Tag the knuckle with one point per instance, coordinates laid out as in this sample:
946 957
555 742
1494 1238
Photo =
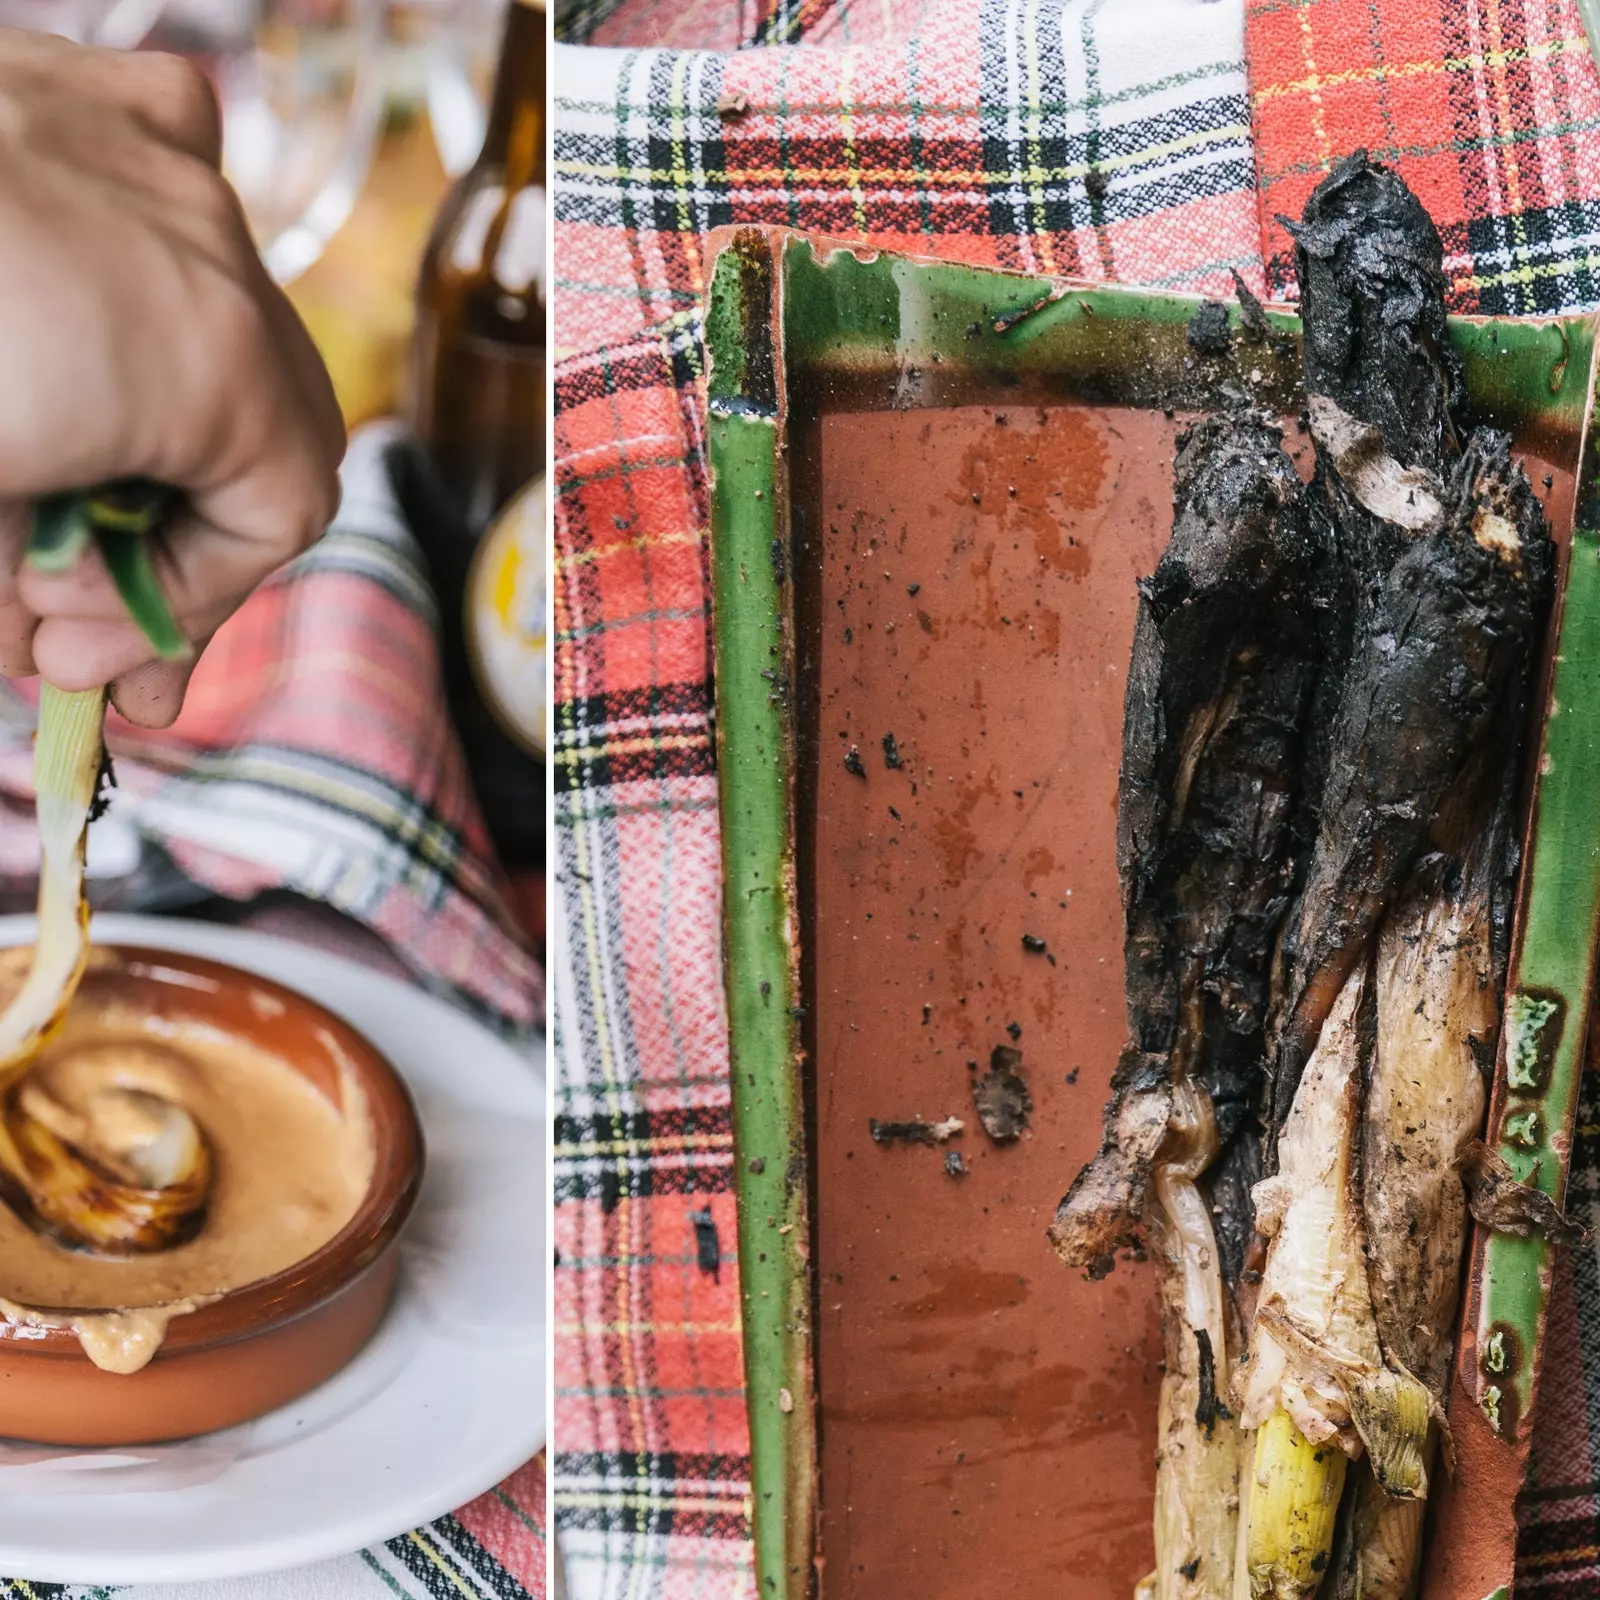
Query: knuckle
320 507
233 327
208 202
179 99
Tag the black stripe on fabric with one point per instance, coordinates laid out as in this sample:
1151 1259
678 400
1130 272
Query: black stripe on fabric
648 704
1063 205
594 748
1540 1545
686 139
576 20
586 1169
788 22
1555 242
408 1550
472 1556
431 842
645 1487
573 1132
677 358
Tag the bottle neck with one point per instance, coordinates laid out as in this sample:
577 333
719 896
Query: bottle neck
514 140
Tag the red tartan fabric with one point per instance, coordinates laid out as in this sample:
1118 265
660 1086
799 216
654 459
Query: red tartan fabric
508 1523
1490 110
966 133
733 24
649 1404
960 132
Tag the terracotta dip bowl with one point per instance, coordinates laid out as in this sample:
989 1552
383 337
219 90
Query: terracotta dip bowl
266 1343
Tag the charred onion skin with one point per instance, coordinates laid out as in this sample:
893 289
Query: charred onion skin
1317 852
1224 661
1221 674
1441 645
1413 576
1407 888
1369 263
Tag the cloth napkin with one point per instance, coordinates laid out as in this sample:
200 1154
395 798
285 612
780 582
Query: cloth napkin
314 788
963 129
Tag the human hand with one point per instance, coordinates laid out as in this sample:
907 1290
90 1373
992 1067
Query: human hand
143 338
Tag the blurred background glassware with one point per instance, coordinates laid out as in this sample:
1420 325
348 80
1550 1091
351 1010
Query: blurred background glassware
302 89
442 57
301 84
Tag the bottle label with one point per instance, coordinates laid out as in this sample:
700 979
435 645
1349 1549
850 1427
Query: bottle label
507 599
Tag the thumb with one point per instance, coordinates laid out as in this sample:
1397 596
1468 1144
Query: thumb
152 695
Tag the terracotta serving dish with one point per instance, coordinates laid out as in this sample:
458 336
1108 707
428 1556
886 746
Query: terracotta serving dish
266 1343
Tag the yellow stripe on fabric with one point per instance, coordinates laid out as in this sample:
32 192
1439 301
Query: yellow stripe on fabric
858 202
428 1548
628 1327
1528 273
655 541
612 1147
584 755
643 1500
956 178
1485 60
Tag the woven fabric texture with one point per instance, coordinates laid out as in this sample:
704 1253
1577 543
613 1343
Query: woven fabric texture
964 129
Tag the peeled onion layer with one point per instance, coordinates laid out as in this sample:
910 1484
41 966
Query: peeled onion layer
1315 1350
1197 1451
1426 1096
1380 1554
67 762
1437 1013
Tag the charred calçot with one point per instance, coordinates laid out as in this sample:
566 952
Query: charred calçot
1218 690
1316 839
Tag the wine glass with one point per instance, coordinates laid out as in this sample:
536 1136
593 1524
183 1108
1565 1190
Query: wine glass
300 84
443 57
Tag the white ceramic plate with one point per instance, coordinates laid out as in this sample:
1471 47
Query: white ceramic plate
447 1399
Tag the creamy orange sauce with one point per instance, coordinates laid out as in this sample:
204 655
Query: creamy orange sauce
290 1171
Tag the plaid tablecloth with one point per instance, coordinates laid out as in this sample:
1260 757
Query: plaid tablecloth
314 768
961 128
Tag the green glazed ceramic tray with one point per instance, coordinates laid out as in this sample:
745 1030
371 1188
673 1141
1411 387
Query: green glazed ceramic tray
800 331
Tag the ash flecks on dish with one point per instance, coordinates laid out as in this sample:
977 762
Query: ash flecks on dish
1208 328
915 1131
1002 1097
